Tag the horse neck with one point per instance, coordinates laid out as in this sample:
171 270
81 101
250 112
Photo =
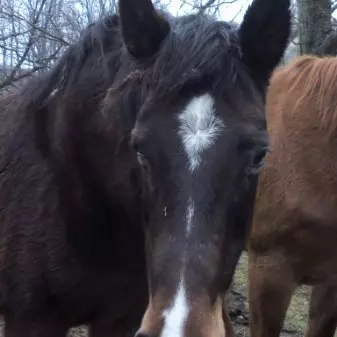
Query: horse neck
97 177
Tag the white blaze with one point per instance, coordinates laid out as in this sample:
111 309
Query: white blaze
199 128
176 316
189 216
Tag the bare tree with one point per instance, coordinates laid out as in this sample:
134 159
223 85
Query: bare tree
314 24
212 7
27 43
317 26
35 32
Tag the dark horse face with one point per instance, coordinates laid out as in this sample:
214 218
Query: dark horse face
200 138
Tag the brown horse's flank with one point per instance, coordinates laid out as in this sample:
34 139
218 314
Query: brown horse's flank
293 237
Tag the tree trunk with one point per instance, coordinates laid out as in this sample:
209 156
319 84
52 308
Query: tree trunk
314 24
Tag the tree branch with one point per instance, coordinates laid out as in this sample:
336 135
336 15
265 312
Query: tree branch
329 46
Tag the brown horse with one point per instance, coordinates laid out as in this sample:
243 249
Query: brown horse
128 173
294 232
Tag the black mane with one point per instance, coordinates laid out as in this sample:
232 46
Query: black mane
90 58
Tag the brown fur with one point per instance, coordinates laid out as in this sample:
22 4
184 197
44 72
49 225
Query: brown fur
293 237
314 79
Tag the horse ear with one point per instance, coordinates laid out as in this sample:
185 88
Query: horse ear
264 35
143 28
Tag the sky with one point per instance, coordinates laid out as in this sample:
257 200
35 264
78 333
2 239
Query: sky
231 11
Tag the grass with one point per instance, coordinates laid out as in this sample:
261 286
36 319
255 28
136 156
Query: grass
297 314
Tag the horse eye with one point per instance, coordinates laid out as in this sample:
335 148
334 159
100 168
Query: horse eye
258 161
141 158
259 158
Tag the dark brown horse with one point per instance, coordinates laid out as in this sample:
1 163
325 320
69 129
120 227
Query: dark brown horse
294 232
128 173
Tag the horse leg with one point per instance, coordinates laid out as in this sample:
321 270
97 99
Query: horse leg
271 286
16 328
227 319
322 312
